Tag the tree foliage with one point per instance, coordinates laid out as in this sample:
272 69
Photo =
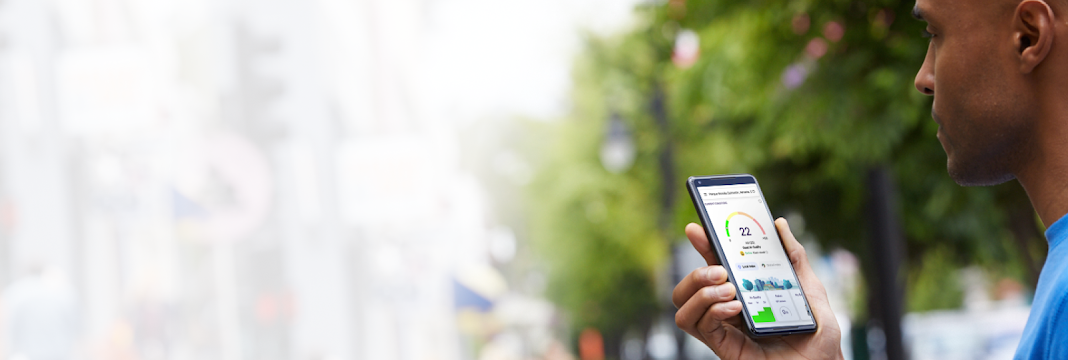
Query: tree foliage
808 120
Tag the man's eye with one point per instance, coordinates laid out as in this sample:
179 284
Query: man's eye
926 34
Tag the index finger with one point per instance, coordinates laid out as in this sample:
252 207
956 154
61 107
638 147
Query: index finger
697 279
699 239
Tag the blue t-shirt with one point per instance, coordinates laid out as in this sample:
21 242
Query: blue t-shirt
1046 333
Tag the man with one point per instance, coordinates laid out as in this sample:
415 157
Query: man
998 71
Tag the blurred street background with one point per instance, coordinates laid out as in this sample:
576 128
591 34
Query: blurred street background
471 179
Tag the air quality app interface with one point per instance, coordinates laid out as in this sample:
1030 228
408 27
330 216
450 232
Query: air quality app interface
769 288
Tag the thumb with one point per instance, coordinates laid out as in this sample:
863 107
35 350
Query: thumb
699 239
810 284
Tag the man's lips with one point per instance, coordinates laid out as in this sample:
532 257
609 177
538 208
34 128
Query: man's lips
940 134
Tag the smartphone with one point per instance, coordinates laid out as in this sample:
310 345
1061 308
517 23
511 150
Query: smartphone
743 235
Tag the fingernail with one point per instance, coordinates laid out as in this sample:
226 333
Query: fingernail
722 290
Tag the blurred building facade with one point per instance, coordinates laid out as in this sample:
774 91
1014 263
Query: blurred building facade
231 179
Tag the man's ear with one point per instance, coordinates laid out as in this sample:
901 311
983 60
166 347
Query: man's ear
1033 33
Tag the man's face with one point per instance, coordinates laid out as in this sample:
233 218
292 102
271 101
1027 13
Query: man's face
972 71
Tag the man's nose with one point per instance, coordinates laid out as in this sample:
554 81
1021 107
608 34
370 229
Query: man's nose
924 83
925 77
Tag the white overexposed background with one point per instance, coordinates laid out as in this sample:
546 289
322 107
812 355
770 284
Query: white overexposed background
271 179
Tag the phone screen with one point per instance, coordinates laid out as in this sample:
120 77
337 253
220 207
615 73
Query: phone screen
765 277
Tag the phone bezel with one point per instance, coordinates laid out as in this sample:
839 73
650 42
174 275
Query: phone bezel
715 180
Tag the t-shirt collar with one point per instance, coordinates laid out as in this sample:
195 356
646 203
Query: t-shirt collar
1057 232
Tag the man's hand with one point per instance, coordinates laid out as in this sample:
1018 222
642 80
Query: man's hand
708 311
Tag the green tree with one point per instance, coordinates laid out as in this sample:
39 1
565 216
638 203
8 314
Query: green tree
811 94
806 95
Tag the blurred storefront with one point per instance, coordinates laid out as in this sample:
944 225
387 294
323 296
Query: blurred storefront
229 180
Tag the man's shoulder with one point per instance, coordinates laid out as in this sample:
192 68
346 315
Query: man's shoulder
1045 337
1051 293
1053 320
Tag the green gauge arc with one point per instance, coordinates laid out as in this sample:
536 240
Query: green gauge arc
728 224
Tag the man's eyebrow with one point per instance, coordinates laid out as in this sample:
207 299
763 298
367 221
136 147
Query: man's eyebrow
917 13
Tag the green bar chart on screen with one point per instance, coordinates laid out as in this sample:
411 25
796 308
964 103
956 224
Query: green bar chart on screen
765 315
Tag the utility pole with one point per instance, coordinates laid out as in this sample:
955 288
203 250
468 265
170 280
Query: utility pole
887 248
666 162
